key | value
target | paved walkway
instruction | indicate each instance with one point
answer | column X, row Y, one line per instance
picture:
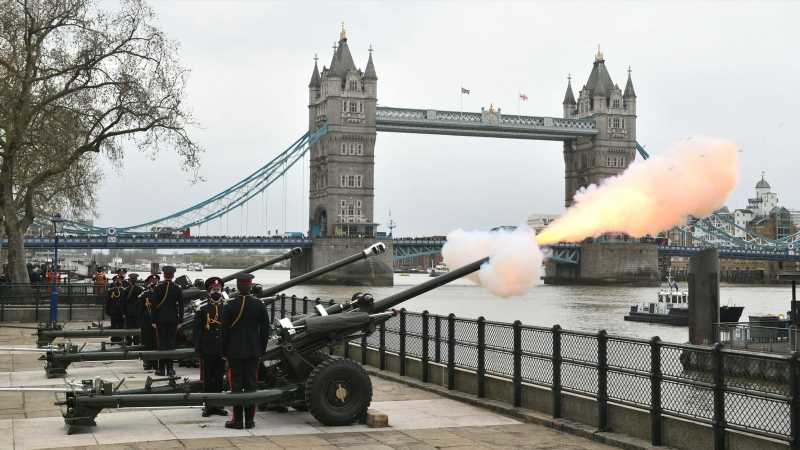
column 418, row 419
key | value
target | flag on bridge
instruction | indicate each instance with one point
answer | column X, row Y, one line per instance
column 464, row 90
column 523, row 97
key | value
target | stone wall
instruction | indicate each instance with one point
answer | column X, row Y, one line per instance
column 374, row 271
column 619, row 263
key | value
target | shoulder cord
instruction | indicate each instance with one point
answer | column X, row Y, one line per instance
column 166, row 291
column 113, row 292
column 241, row 310
column 213, row 320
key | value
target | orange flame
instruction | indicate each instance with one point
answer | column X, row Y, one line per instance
column 693, row 178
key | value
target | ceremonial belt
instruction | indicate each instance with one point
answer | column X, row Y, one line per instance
column 239, row 316
column 166, row 291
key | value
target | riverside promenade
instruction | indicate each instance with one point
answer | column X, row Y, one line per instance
column 419, row 419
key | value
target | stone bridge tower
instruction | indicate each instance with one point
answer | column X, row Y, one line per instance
column 342, row 162
column 590, row 160
column 341, row 218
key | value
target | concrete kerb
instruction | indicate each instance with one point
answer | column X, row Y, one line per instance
column 525, row 415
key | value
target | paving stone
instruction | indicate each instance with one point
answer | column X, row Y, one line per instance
column 253, row 442
column 207, row 443
column 394, row 438
column 299, row 441
column 349, row 439
column 173, row 443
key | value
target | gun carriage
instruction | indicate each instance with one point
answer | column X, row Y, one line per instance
column 299, row 374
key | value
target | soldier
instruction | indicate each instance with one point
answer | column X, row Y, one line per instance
column 146, row 322
column 133, row 307
column 208, row 342
column 167, row 313
column 115, row 307
column 246, row 328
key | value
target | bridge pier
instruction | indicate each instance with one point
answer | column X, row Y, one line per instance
column 608, row 263
column 375, row 271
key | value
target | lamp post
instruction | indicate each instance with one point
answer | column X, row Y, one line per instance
column 58, row 224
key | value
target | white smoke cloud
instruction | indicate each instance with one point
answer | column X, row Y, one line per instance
column 514, row 263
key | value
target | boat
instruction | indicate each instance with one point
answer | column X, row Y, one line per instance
column 672, row 308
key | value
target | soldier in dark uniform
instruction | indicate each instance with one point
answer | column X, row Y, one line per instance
column 208, row 342
column 146, row 322
column 167, row 314
column 246, row 328
column 133, row 307
column 115, row 307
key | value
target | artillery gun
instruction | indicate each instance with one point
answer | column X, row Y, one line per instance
column 57, row 362
column 46, row 333
column 334, row 390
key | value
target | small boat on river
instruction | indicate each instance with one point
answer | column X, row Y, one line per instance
column 672, row 308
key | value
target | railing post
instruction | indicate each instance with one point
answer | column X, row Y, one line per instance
column 437, row 338
column 718, row 423
column 36, row 313
column 517, row 329
column 382, row 345
column 283, row 306
column 402, row 342
column 71, row 301
column 655, row 390
column 602, row 380
column 794, row 407
column 556, row 391
column 451, row 351
column 272, row 311
column 364, row 350
column 481, row 370
column 305, row 304
column 425, row 339
column 294, row 305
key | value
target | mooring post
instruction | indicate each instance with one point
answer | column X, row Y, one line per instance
column 517, row 380
column 402, row 342
column 425, row 338
column 305, row 304
column 294, row 305
column 451, row 351
column 718, row 423
column 602, row 380
column 556, row 391
column 283, row 306
column 481, row 369
column 655, row 391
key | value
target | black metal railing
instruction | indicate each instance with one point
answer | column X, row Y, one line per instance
column 37, row 297
column 758, row 336
column 723, row 388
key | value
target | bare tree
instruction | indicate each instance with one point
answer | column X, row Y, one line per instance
column 78, row 82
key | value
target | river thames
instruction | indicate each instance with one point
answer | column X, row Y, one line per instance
column 582, row 308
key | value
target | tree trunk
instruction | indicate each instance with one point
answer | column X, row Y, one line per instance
column 17, row 270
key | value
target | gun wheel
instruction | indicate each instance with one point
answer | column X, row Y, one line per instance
column 338, row 392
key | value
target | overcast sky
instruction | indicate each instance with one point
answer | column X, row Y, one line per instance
column 721, row 69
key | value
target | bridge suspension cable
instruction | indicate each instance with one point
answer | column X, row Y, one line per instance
column 219, row 205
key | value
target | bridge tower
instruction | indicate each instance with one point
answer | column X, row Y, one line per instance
column 341, row 218
column 590, row 160
column 342, row 162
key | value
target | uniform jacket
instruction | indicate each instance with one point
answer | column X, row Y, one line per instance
column 246, row 327
column 133, row 304
column 115, row 302
column 167, row 303
column 208, row 329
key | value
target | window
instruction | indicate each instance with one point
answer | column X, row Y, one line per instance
column 359, row 179
column 352, row 149
column 344, row 106
column 353, row 85
column 344, row 149
column 353, row 107
column 360, row 149
column 358, row 208
column 342, row 181
column 351, row 181
column 615, row 103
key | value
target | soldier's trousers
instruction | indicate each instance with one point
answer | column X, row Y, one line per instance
column 132, row 323
column 117, row 323
column 212, row 372
column 166, row 334
column 243, row 377
column 148, row 337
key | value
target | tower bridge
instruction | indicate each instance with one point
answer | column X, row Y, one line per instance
column 597, row 129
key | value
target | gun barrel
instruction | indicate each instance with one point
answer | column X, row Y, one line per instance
column 395, row 299
column 290, row 254
column 373, row 250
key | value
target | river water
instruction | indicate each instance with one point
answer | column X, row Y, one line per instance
column 581, row 308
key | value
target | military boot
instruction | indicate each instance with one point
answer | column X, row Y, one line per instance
column 249, row 416
column 236, row 422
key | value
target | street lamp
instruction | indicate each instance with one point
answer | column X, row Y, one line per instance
column 58, row 225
